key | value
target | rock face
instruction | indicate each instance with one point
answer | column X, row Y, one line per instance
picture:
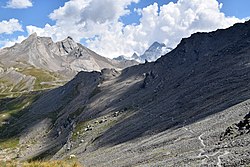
column 177, row 111
column 237, row 129
column 61, row 61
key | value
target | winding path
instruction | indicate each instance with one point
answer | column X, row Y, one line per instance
column 202, row 151
column 201, row 140
column 219, row 158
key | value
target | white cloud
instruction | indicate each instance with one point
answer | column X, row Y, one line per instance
column 98, row 23
column 10, row 26
column 8, row 43
column 92, row 10
column 79, row 19
column 168, row 24
column 19, row 4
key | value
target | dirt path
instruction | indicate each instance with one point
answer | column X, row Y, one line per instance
column 219, row 158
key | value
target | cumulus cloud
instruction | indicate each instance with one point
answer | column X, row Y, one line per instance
column 19, row 4
column 79, row 19
column 172, row 22
column 8, row 43
column 168, row 24
column 92, row 10
column 98, row 23
column 10, row 26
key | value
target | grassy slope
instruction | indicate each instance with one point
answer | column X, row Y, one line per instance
column 11, row 109
column 62, row 163
column 41, row 76
column 42, row 81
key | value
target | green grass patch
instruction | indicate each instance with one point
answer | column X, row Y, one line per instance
column 11, row 110
column 6, row 86
column 21, row 86
column 55, row 163
column 19, row 103
column 9, row 143
column 10, row 95
column 43, row 80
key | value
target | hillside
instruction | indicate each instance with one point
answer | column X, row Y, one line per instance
column 189, row 108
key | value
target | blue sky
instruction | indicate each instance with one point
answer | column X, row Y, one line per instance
column 37, row 16
column 237, row 8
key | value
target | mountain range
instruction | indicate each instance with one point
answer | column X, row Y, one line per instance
column 38, row 63
column 191, row 107
column 155, row 51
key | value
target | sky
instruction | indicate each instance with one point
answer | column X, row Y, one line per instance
column 117, row 27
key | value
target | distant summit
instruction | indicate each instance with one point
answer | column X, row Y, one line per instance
column 135, row 56
column 121, row 58
column 155, row 51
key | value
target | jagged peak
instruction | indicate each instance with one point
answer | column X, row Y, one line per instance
column 34, row 34
column 67, row 45
column 157, row 44
column 32, row 37
column 69, row 37
column 135, row 56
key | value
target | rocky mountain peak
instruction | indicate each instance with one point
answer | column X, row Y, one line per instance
column 135, row 56
column 120, row 58
column 70, row 38
column 67, row 45
column 31, row 38
column 155, row 51
column 33, row 35
column 156, row 45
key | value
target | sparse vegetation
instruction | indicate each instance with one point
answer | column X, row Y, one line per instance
column 20, row 87
column 41, row 76
column 11, row 109
column 5, row 86
column 59, row 163
column 43, row 80
column 102, row 123
column 10, row 143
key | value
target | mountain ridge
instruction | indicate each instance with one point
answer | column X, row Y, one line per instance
column 155, row 51
column 37, row 57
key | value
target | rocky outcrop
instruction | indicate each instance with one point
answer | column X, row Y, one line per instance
column 237, row 129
